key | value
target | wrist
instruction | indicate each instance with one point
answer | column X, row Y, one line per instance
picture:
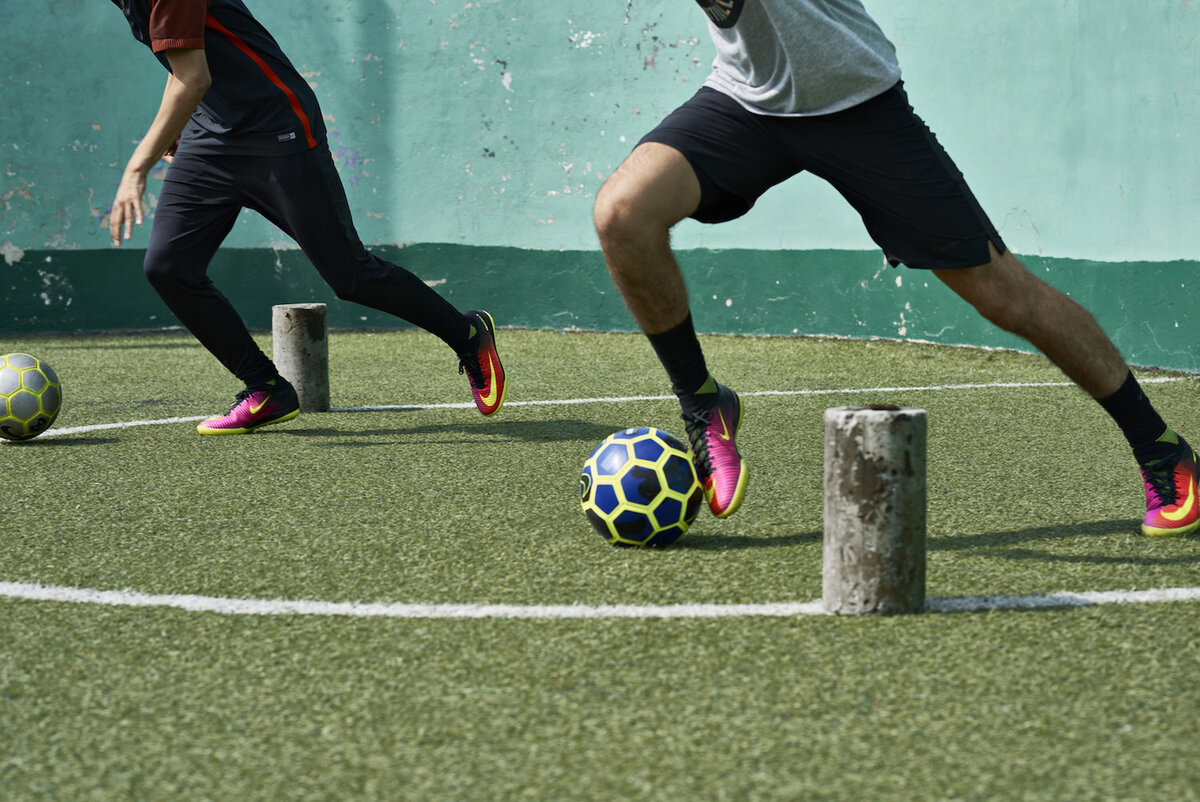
column 137, row 168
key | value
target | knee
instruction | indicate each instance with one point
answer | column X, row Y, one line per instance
column 161, row 272
column 652, row 190
column 625, row 220
column 361, row 279
column 347, row 288
column 612, row 216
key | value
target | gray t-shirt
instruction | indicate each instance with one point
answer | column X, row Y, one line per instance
column 801, row 57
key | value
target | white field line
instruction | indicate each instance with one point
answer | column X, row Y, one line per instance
column 806, row 392
column 630, row 398
column 268, row 607
column 97, row 427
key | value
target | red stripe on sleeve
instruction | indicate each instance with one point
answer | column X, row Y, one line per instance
column 163, row 45
column 212, row 22
column 177, row 24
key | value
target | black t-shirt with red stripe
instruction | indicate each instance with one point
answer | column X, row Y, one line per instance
column 258, row 104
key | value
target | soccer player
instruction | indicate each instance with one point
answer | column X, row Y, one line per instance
column 241, row 128
column 815, row 85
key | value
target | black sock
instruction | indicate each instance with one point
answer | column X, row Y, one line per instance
column 269, row 384
column 680, row 353
column 463, row 346
column 1146, row 432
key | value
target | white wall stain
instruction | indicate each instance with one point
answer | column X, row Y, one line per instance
column 648, row 63
column 310, row 77
column 902, row 324
column 11, row 253
column 1020, row 222
column 581, row 39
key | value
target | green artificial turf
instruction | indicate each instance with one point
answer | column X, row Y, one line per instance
column 1031, row 490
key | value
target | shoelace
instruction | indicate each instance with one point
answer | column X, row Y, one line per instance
column 240, row 397
column 1160, row 474
column 473, row 366
column 696, row 425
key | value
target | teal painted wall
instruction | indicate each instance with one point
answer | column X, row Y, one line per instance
column 490, row 124
column 745, row 291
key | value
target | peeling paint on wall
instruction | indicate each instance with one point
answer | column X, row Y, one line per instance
column 11, row 253
column 566, row 88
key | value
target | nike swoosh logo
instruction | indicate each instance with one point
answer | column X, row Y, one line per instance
column 254, row 410
column 493, row 390
column 724, row 427
column 1186, row 510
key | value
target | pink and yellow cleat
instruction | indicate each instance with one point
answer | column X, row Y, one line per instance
column 254, row 408
column 1172, row 506
column 719, row 465
column 482, row 364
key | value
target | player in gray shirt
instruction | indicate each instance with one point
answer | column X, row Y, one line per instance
column 814, row 85
column 801, row 58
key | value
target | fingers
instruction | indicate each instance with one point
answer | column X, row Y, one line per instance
column 121, row 220
column 127, row 208
column 115, row 218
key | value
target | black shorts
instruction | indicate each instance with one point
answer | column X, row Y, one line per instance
column 879, row 155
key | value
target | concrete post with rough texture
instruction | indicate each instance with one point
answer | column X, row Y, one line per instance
column 300, row 345
column 874, row 548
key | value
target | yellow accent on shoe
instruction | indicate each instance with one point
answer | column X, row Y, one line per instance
column 1168, row 437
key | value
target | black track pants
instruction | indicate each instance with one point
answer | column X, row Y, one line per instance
column 303, row 196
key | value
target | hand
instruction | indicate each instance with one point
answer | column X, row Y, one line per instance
column 127, row 206
column 187, row 82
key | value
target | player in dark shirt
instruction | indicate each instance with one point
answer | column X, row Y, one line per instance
column 241, row 128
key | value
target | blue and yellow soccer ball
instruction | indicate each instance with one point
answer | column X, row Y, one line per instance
column 639, row 488
column 30, row 396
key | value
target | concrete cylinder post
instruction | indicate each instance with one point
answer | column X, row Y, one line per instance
column 873, row 560
column 300, row 345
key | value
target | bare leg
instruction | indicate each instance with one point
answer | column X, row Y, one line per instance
column 652, row 190
column 636, row 208
column 1007, row 294
column 1014, row 299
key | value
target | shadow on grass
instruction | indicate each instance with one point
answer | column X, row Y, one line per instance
column 736, row 542
column 1009, row 544
column 555, row 431
column 1116, row 526
column 52, row 442
column 1096, row 559
column 92, row 346
column 994, row 544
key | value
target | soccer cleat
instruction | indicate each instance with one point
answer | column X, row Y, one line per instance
column 255, row 407
column 482, row 365
column 720, row 467
column 1172, row 506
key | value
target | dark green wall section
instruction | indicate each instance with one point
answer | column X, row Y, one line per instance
column 1147, row 308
